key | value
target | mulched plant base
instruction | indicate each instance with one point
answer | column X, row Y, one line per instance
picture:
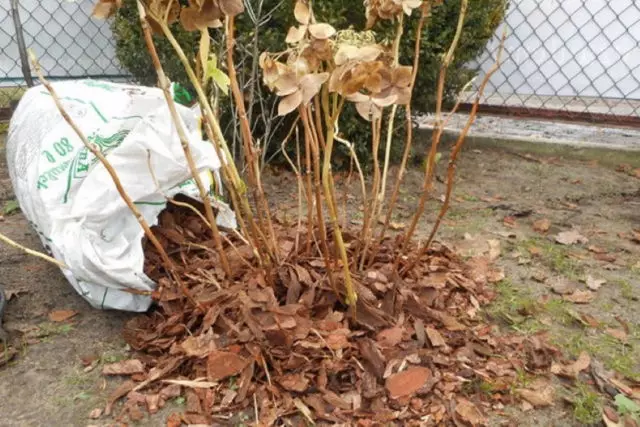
column 279, row 345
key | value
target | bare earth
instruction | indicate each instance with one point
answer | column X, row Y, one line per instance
column 500, row 193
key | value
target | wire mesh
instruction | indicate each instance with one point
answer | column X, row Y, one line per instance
column 561, row 56
column 567, row 56
column 68, row 43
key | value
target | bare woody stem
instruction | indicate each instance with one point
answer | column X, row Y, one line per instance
column 31, row 252
column 163, row 82
column 166, row 261
column 456, row 151
column 214, row 132
column 392, row 117
column 409, row 125
column 312, row 134
column 329, row 193
column 252, row 160
column 437, row 134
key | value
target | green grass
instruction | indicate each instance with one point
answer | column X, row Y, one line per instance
column 587, row 405
column 555, row 257
column 626, row 290
column 516, row 307
column 618, row 356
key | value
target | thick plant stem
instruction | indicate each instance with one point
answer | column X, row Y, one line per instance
column 311, row 135
column 166, row 261
column 409, row 126
column 456, row 151
column 437, row 135
column 329, row 193
column 236, row 186
column 262, row 206
column 163, row 82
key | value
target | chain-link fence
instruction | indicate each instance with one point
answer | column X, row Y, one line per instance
column 64, row 37
column 575, row 59
column 572, row 59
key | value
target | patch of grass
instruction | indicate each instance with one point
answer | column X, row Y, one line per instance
column 112, row 357
column 469, row 198
column 10, row 207
column 620, row 357
column 516, row 307
column 555, row 257
column 587, row 405
column 478, row 385
column 51, row 329
column 4, row 128
column 626, row 290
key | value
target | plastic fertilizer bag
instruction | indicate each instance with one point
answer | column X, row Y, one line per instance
column 70, row 199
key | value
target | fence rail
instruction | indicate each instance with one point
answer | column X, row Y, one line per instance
column 576, row 59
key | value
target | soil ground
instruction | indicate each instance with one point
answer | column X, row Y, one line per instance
column 501, row 191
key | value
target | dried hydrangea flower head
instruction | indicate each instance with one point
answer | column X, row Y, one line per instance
column 388, row 9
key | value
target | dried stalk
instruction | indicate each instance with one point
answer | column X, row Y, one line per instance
column 458, row 147
column 37, row 254
column 371, row 209
column 163, row 83
column 310, row 133
column 166, row 261
column 437, row 135
column 392, row 116
column 235, row 185
column 299, row 182
column 262, row 206
column 329, row 192
column 409, row 125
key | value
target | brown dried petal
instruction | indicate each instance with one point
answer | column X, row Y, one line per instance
column 106, row 8
column 302, row 13
column 311, row 84
column 231, row 7
column 321, row 31
column 290, row 103
column 296, row 34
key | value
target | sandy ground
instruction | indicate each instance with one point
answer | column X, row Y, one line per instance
column 47, row 383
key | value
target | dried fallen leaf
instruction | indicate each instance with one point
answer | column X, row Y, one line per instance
column 435, row 337
column 618, row 334
column 562, row 286
column 294, row 382
column 494, row 249
column 390, row 337
column 126, row 367
column 594, row 284
column 470, row 413
column 574, row 369
column 580, row 297
column 223, row 364
column 408, row 382
column 95, row 414
column 61, row 315
column 540, row 394
column 542, row 225
column 571, row 238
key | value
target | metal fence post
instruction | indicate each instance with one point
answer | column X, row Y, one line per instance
column 26, row 69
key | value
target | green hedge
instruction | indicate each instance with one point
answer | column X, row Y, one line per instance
column 483, row 17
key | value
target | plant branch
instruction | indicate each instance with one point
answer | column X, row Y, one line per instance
column 458, row 147
column 163, row 82
column 28, row 251
column 437, row 134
